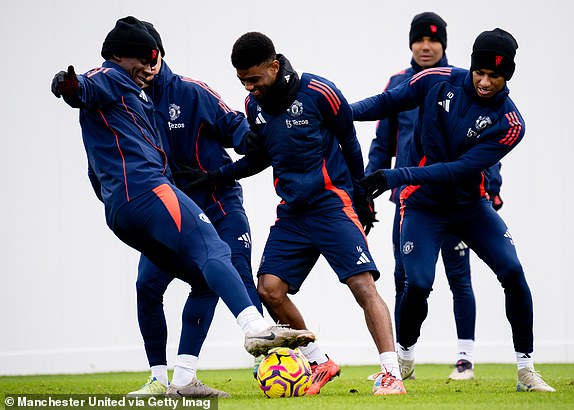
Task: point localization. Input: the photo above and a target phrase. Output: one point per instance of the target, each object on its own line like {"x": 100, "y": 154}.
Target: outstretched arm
{"x": 476, "y": 159}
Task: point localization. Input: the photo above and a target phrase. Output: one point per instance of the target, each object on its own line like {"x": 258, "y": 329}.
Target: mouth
{"x": 140, "y": 80}
{"x": 482, "y": 91}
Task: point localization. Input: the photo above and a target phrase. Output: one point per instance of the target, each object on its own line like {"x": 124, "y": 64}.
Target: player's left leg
{"x": 456, "y": 259}
{"x": 484, "y": 231}
{"x": 197, "y": 316}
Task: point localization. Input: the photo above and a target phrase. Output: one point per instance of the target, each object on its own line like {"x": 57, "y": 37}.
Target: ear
{"x": 274, "y": 66}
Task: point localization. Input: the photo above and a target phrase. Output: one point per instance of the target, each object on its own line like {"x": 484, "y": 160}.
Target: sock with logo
{"x": 184, "y": 369}
{"x": 524, "y": 360}
{"x": 465, "y": 350}
{"x": 313, "y": 353}
{"x": 406, "y": 353}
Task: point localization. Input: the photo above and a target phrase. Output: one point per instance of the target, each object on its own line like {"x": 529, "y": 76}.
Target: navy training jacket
{"x": 394, "y": 134}
{"x": 313, "y": 148}
{"x": 123, "y": 152}
{"x": 195, "y": 125}
{"x": 458, "y": 135}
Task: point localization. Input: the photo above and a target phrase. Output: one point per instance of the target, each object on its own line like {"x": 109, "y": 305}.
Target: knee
{"x": 459, "y": 283}
{"x": 511, "y": 275}
{"x": 149, "y": 290}
{"x": 270, "y": 295}
{"x": 413, "y": 290}
{"x": 363, "y": 288}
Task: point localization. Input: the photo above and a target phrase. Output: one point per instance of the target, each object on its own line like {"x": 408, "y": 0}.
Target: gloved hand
{"x": 365, "y": 207}
{"x": 65, "y": 84}
{"x": 253, "y": 143}
{"x": 375, "y": 184}
{"x": 496, "y": 201}
{"x": 193, "y": 178}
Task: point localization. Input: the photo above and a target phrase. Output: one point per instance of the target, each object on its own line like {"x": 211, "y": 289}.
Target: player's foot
{"x": 322, "y": 374}
{"x": 151, "y": 388}
{"x": 386, "y": 383}
{"x": 407, "y": 368}
{"x": 277, "y": 336}
{"x": 530, "y": 380}
{"x": 373, "y": 377}
{"x": 462, "y": 371}
{"x": 256, "y": 362}
{"x": 196, "y": 389}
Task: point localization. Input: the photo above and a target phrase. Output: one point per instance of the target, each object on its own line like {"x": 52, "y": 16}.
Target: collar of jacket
{"x": 160, "y": 81}
{"x": 284, "y": 91}
{"x": 443, "y": 62}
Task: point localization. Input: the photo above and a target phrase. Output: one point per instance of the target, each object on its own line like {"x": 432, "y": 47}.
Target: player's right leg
{"x": 421, "y": 235}
{"x": 234, "y": 230}
{"x": 400, "y": 280}
{"x": 174, "y": 233}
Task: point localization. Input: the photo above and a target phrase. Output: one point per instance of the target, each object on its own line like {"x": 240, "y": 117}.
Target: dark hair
{"x": 252, "y": 49}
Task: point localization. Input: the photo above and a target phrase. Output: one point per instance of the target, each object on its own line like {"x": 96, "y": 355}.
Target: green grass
{"x": 493, "y": 388}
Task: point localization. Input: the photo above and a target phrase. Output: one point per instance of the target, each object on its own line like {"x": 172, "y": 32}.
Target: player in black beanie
{"x": 130, "y": 38}
{"x": 494, "y": 50}
{"x": 151, "y": 29}
{"x": 428, "y": 24}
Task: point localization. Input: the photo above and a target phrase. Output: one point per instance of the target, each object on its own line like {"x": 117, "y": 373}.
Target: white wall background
{"x": 67, "y": 293}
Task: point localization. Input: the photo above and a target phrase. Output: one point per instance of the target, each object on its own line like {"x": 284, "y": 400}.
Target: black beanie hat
{"x": 428, "y": 24}
{"x": 151, "y": 29}
{"x": 130, "y": 38}
{"x": 494, "y": 50}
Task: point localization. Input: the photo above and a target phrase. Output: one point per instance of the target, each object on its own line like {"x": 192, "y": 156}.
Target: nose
{"x": 248, "y": 86}
{"x": 485, "y": 81}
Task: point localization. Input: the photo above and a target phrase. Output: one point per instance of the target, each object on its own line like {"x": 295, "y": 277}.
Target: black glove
{"x": 365, "y": 207}
{"x": 253, "y": 143}
{"x": 496, "y": 201}
{"x": 375, "y": 184}
{"x": 65, "y": 84}
{"x": 193, "y": 178}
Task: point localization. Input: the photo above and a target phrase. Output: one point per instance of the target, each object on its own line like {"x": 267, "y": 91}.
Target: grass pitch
{"x": 493, "y": 388}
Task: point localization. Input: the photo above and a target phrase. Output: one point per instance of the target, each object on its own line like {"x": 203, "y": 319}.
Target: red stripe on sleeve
{"x": 328, "y": 93}
{"x": 514, "y": 130}
{"x": 430, "y": 71}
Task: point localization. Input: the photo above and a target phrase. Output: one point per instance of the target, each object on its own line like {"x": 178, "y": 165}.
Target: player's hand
{"x": 365, "y": 207}
{"x": 65, "y": 84}
{"x": 497, "y": 201}
{"x": 193, "y": 178}
{"x": 375, "y": 184}
{"x": 253, "y": 143}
